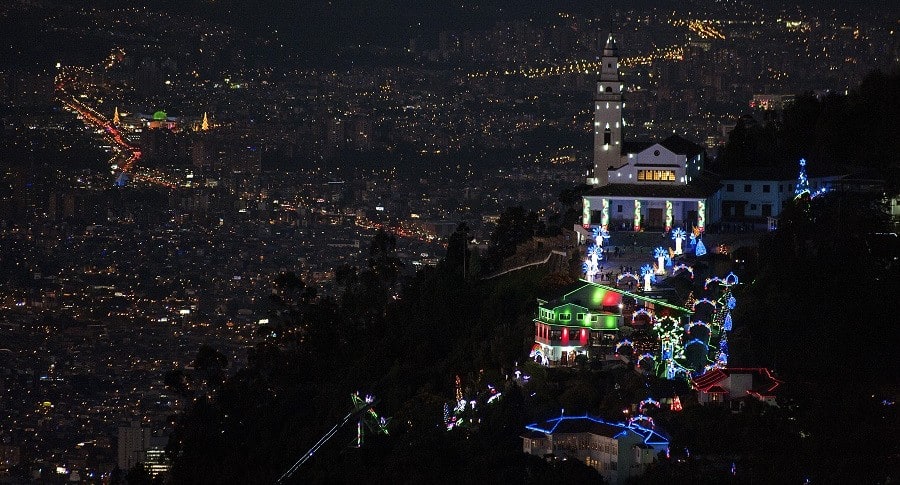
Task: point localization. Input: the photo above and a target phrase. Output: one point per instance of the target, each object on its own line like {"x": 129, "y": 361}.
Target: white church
{"x": 640, "y": 185}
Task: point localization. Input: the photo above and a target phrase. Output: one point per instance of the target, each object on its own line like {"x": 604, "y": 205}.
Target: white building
{"x": 638, "y": 185}
{"x": 616, "y": 450}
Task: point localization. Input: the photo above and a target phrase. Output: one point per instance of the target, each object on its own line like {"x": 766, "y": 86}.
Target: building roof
{"x": 699, "y": 190}
{"x": 610, "y": 49}
{"x": 764, "y": 383}
{"x": 681, "y": 146}
{"x": 597, "y": 426}
{"x": 595, "y": 295}
{"x": 709, "y": 379}
{"x": 674, "y": 144}
{"x": 636, "y": 146}
{"x": 533, "y": 435}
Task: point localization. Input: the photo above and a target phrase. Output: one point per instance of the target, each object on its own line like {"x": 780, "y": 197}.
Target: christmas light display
{"x": 802, "y": 181}
{"x": 676, "y": 404}
{"x": 600, "y": 234}
{"x": 364, "y": 410}
{"x": 647, "y": 274}
{"x": 591, "y": 264}
{"x": 643, "y": 311}
{"x": 703, "y": 301}
{"x": 731, "y": 279}
{"x": 649, "y": 401}
{"x": 701, "y": 215}
{"x": 586, "y": 213}
{"x": 669, "y": 217}
{"x": 369, "y": 419}
{"x": 624, "y": 343}
{"x": 691, "y": 326}
{"x": 640, "y": 418}
{"x": 637, "y": 216}
{"x": 666, "y": 325}
{"x": 727, "y": 325}
{"x": 683, "y": 267}
{"x": 695, "y": 342}
{"x": 678, "y": 235}
{"x": 700, "y": 250}
{"x": 626, "y": 276}
{"x": 537, "y": 354}
{"x": 660, "y": 254}
{"x": 604, "y": 212}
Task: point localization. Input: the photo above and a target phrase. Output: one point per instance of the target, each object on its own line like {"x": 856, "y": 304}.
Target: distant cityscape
{"x": 159, "y": 170}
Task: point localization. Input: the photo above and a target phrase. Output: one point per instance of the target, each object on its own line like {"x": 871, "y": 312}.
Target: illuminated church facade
{"x": 640, "y": 185}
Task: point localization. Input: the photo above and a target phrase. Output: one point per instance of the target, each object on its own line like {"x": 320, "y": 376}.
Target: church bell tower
{"x": 607, "y": 115}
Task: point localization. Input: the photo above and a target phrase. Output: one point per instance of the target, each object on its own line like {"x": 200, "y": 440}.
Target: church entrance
{"x": 655, "y": 219}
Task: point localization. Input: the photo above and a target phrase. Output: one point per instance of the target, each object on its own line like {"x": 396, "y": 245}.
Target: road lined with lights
{"x": 130, "y": 152}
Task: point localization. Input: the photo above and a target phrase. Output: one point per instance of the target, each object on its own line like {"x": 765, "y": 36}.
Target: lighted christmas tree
{"x": 802, "y": 181}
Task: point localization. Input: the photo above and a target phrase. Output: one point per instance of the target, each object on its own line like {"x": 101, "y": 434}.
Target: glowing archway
{"x": 683, "y": 267}
{"x": 649, "y": 401}
{"x": 643, "y": 311}
{"x": 640, "y": 418}
{"x": 703, "y": 301}
{"x": 624, "y": 343}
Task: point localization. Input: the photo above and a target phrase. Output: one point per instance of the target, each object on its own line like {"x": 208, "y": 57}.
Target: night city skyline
{"x": 449, "y": 242}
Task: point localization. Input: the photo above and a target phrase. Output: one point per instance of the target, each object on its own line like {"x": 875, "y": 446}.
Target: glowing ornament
{"x": 678, "y": 235}
{"x": 660, "y": 254}
{"x": 591, "y": 264}
{"x": 647, "y": 274}
{"x": 599, "y": 234}
{"x": 700, "y": 250}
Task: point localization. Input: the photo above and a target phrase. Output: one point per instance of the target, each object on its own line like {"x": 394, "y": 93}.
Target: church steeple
{"x": 607, "y": 115}
{"x": 610, "y": 49}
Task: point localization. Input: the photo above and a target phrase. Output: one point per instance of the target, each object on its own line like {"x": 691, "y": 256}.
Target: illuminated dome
{"x": 159, "y": 116}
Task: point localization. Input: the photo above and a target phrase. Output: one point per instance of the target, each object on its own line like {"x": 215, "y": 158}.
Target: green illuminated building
{"x": 596, "y": 320}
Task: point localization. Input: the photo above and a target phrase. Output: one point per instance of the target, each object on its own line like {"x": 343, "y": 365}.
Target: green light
{"x": 609, "y": 322}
